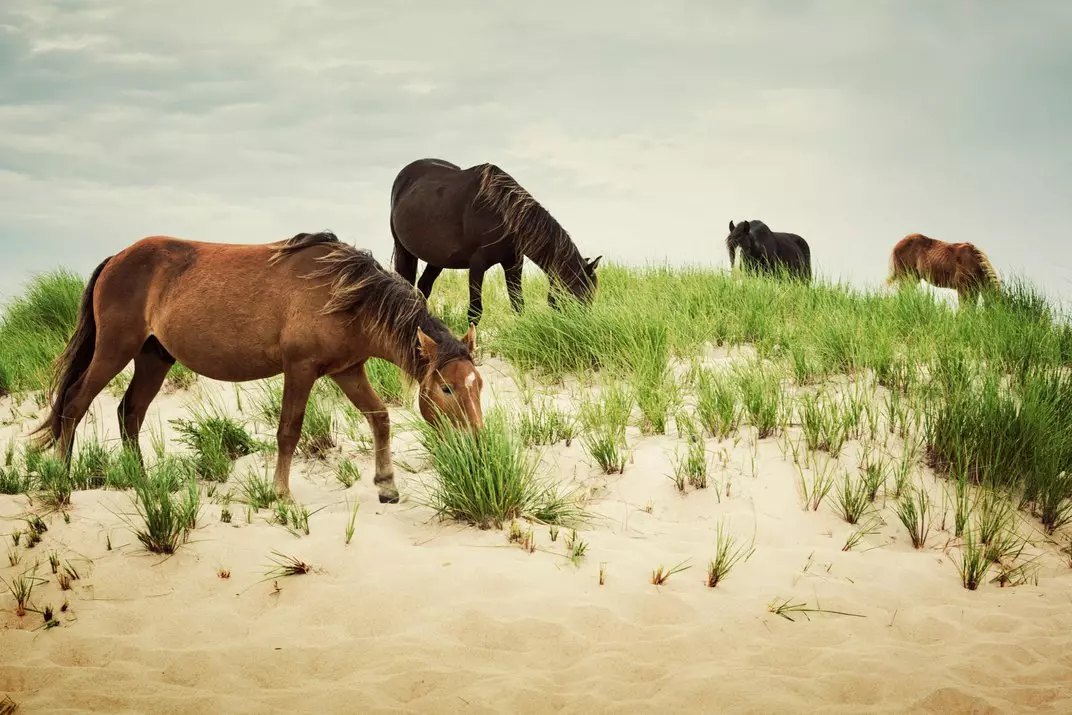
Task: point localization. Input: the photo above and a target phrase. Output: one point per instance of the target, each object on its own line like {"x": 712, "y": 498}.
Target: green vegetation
{"x": 489, "y": 480}
{"x": 982, "y": 396}
{"x": 35, "y": 327}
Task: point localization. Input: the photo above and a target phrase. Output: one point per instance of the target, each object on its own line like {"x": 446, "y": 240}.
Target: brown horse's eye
{"x": 447, "y": 389}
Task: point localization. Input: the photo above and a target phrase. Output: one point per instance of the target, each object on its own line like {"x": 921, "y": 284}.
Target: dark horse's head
{"x": 581, "y": 283}
{"x": 740, "y": 236}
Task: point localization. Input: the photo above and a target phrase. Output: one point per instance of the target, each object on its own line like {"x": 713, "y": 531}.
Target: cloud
{"x": 643, "y": 128}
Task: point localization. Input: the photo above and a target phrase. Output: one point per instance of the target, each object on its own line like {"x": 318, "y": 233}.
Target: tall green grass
{"x": 35, "y": 327}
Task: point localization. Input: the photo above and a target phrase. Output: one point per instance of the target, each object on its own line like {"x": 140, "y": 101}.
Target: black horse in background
{"x": 769, "y": 252}
{"x": 476, "y": 218}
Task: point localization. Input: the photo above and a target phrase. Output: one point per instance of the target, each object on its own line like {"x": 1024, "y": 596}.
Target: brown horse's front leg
{"x": 297, "y": 384}
{"x": 355, "y": 385}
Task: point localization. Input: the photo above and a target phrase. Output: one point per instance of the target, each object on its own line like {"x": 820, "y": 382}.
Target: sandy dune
{"x": 416, "y": 615}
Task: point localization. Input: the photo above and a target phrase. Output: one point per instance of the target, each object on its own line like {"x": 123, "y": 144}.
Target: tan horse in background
{"x": 960, "y": 266}
{"x": 307, "y": 307}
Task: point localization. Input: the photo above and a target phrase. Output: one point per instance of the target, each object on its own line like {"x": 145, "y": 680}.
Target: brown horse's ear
{"x": 429, "y": 347}
{"x": 731, "y": 226}
{"x": 594, "y": 263}
{"x": 469, "y": 339}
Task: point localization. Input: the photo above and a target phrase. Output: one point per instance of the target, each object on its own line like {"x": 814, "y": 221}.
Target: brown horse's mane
{"x": 539, "y": 236}
{"x": 386, "y": 301}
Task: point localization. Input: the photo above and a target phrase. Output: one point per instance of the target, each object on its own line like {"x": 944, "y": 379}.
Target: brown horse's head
{"x": 451, "y": 386}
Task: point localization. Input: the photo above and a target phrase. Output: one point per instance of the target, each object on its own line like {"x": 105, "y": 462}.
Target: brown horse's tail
{"x": 892, "y": 277}
{"x": 988, "y": 268}
{"x": 70, "y": 364}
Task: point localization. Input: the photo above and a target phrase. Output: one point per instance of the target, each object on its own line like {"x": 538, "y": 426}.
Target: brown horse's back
{"x": 961, "y": 266}
{"x": 226, "y": 311}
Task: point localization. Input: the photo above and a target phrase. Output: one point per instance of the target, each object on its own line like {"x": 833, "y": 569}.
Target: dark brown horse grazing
{"x": 960, "y": 266}
{"x": 476, "y": 218}
{"x": 769, "y": 252}
{"x": 306, "y": 307}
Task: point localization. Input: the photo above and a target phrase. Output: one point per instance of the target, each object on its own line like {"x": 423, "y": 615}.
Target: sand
{"x": 420, "y": 615}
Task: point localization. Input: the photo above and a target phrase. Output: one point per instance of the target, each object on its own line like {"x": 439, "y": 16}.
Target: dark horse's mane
{"x": 385, "y": 300}
{"x": 539, "y": 236}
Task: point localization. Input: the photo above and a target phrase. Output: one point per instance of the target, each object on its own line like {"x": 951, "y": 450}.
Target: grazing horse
{"x": 769, "y": 252}
{"x": 307, "y": 307}
{"x": 476, "y": 218}
{"x": 960, "y": 266}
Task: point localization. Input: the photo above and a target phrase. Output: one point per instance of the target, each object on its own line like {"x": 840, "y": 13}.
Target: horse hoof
{"x": 388, "y": 499}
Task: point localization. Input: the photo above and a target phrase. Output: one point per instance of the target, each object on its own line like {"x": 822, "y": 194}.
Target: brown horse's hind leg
{"x": 356, "y": 386}
{"x": 297, "y": 384}
{"x": 107, "y": 362}
{"x": 151, "y": 367}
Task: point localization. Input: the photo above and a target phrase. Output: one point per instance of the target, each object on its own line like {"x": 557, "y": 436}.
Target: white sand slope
{"x": 418, "y": 615}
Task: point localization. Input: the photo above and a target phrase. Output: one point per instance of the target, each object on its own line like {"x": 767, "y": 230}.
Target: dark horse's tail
{"x": 71, "y": 364}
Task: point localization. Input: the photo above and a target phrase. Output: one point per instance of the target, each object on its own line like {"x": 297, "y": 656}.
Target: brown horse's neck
{"x": 402, "y": 348}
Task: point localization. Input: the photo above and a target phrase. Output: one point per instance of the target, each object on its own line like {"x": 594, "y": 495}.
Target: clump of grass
{"x": 728, "y": 553}
{"x": 287, "y": 566}
{"x": 814, "y": 489}
{"x": 874, "y": 476}
{"x": 852, "y": 498}
{"x": 216, "y": 441}
{"x": 545, "y": 424}
{"x": 914, "y": 510}
{"x": 647, "y": 353}
{"x": 257, "y": 491}
{"x": 604, "y": 420}
{"x": 661, "y": 575}
{"x": 823, "y": 424}
{"x": 693, "y": 467}
{"x": 90, "y": 468}
{"x": 575, "y": 548}
{"x": 21, "y": 588}
{"x": 223, "y": 573}
{"x": 716, "y": 404}
{"x": 124, "y": 469}
{"x": 167, "y": 517}
{"x": 488, "y": 479}
{"x": 761, "y": 396}
{"x": 973, "y": 563}
{"x": 347, "y": 473}
{"x": 55, "y": 483}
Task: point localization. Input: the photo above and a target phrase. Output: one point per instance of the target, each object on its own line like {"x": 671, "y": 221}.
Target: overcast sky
{"x": 644, "y": 127}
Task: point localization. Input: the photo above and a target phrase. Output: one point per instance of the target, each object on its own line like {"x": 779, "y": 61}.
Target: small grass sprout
{"x": 728, "y": 553}
{"x": 661, "y": 574}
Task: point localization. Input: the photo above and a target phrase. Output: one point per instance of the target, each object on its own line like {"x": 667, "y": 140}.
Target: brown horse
{"x": 960, "y": 266}
{"x": 306, "y": 307}
{"x": 474, "y": 219}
